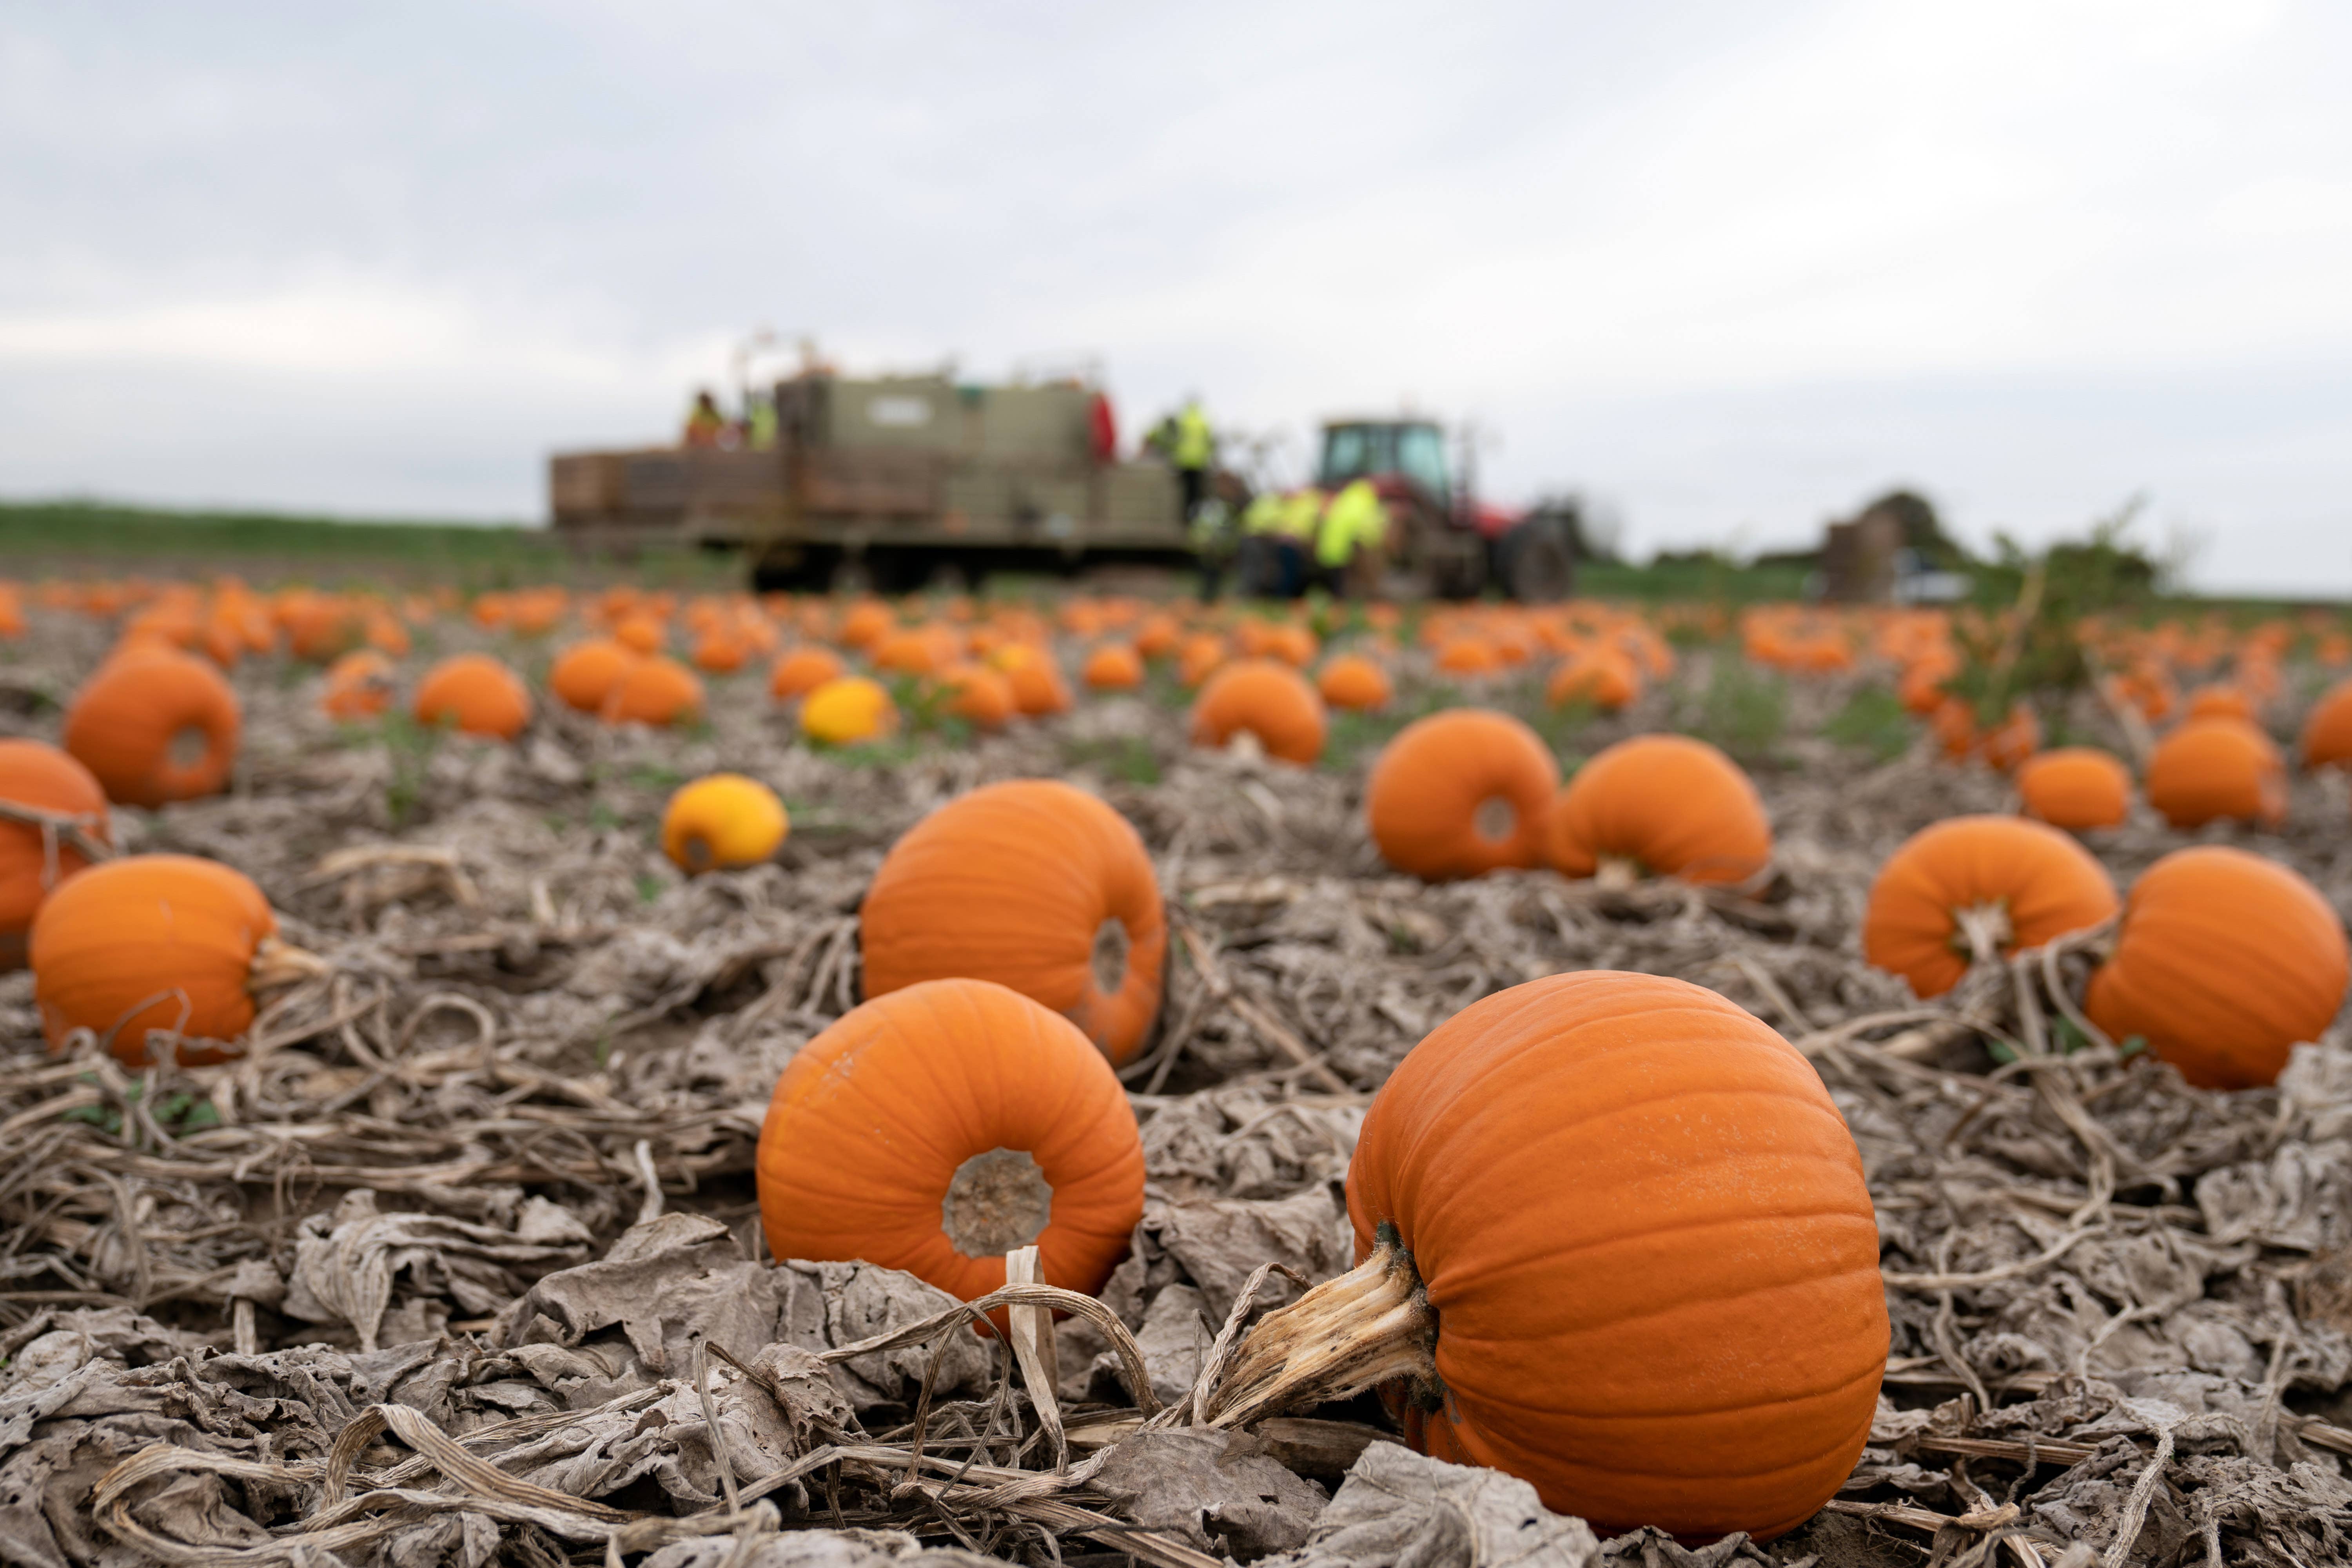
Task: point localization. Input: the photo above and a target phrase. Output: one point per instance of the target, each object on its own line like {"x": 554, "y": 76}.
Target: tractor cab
{"x": 1399, "y": 455}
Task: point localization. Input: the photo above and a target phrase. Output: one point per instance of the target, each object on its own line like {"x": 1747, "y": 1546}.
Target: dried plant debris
{"x": 461, "y": 1263}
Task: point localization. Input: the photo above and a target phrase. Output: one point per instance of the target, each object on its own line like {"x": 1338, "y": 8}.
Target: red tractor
{"x": 1443, "y": 539}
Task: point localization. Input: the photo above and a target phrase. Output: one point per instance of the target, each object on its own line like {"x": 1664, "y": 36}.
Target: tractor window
{"x": 1420, "y": 454}
{"x": 1352, "y": 451}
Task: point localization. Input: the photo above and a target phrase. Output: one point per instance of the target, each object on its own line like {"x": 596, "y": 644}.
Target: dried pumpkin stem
{"x": 1983, "y": 930}
{"x": 1616, "y": 873}
{"x": 78, "y": 831}
{"x": 277, "y": 964}
{"x": 1372, "y": 1325}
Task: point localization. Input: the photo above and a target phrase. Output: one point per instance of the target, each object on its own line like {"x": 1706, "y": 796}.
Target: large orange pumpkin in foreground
{"x": 1266, "y": 698}
{"x": 40, "y": 781}
{"x": 2212, "y": 768}
{"x": 156, "y": 942}
{"x": 1460, "y": 793}
{"x": 1651, "y": 1259}
{"x": 1660, "y": 805}
{"x": 2223, "y": 963}
{"x": 936, "y": 1127}
{"x": 473, "y": 693}
{"x": 2077, "y": 788}
{"x": 154, "y": 725}
{"x": 1034, "y": 885}
{"x": 2001, "y": 881}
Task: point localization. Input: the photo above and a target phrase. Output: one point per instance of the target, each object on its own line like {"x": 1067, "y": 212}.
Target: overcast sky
{"x": 1731, "y": 268}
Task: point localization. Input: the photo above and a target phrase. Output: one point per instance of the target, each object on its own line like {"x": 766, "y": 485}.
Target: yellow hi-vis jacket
{"x": 1194, "y": 444}
{"x": 1302, "y": 512}
{"x": 1264, "y": 513}
{"x": 1354, "y": 520}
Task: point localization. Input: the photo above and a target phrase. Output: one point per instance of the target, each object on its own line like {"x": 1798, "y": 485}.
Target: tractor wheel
{"x": 1458, "y": 569}
{"x": 1537, "y": 561}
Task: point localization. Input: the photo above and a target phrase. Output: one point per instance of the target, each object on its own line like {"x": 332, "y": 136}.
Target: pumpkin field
{"x": 599, "y": 1074}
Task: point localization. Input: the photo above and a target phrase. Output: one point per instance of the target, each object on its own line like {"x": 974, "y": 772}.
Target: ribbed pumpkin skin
{"x": 1422, "y": 798}
{"x": 2077, "y": 788}
{"x": 125, "y": 719}
{"x": 36, "y": 774}
{"x": 1675, "y": 806}
{"x": 2327, "y": 729}
{"x": 872, "y": 1118}
{"x": 2224, "y": 961}
{"x": 1645, "y": 1231}
{"x": 2047, "y": 883}
{"x": 1271, "y": 700}
{"x": 119, "y": 933}
{"x": 474, "y": 694}
{"x": 2212, "y": 768}
{"x": 1012, "y": 883}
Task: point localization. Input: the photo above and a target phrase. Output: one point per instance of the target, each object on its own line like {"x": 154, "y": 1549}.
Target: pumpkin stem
{"x": 1372, "y": 1325}
{"x": 1615, "y": 873}
{"x": 1983, "y": 930}
{"x": 1108, "y": 959}
{"x": 280, "y": 963}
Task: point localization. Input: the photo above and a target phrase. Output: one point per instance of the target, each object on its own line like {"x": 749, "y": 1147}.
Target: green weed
{"x": 1127, "y": 758}
{"x": 1872, "y": 720}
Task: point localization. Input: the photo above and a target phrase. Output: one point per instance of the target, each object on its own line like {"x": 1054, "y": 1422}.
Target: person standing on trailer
{"x": 1192, "y": 447}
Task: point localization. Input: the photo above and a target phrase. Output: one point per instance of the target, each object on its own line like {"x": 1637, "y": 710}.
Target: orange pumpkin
{"x": 154, "y": 725}
{"x": 2327, "y": 729}
{"x": 657, "y": 690}
{"x": 2220, "y": 699}
{"x": 1157, "y": 637}
{"x": 359, "y": 685}
{"x": 1602, "y": 677}
{"x": 802, "y": 670}
{"x": 2213, "y": 768}
{"x": 2222, "y": 964}
{"x": 866, "y": 623}
{"x": 474, "y": 694}
{"x": 721, "y": 650}
{"x": 1460, "y": 793}
{"x": 1269, "y": 701}
{"x": 50, "y": 808}
{"x": 155, "y": 942}
{"x": 1660, "y": 805}
{"x": 1038, "y": 689}
{"x": 1470, "y": 656}
{"x": 1114, "y": 666}
{"x": 583, "y": 674}
{"x": 2075, "y": 787}
{"x": 1354, "y": 682}
{"x": 641, "y": 631}
{"x": 936, "y": 1127}
{"x": 1202, "y": 656}
{"x": 1034, "y": 885}
{"x": 2013, "y": 739}
{"x": 1650, "y": 1255}
{"x": 978, "y": 696}
{"x": 914, "y": 651}
{"x": 1999, "y": 882}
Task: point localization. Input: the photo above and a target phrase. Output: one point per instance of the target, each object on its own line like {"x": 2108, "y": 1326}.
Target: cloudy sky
{"x": 1731, "y": 268}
